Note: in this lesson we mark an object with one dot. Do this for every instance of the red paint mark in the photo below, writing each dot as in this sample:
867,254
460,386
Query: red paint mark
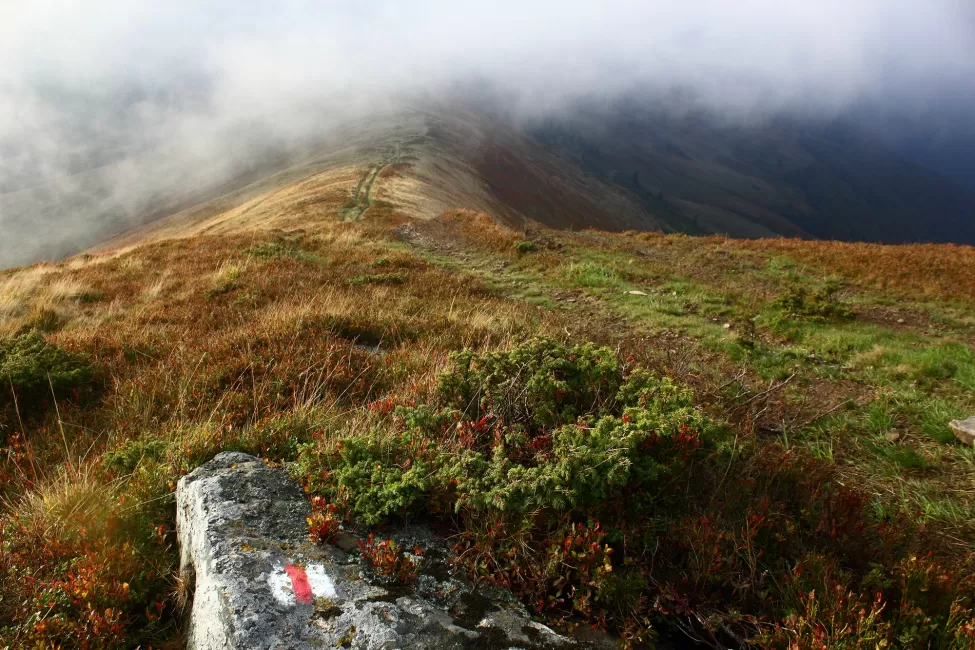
300,584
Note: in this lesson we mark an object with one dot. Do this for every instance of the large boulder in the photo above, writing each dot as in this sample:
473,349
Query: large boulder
261,585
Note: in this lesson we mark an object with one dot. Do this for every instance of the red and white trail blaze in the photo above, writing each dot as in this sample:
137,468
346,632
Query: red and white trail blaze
295,584
300,585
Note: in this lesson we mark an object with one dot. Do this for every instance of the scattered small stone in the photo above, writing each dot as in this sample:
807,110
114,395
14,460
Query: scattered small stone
345,542
964,430
892,436
900,321
727,326
636,293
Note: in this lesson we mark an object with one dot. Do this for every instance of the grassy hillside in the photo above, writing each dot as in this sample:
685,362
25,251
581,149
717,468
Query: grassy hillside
435,157
733,441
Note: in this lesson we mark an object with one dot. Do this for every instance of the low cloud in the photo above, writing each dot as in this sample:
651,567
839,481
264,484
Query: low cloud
107,105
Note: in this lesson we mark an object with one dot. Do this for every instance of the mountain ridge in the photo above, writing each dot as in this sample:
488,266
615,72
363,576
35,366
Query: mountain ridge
610,169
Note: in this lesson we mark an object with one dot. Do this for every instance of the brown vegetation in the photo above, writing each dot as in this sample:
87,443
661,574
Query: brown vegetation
942,271
266,336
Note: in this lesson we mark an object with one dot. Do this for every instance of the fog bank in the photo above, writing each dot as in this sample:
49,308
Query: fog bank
108,105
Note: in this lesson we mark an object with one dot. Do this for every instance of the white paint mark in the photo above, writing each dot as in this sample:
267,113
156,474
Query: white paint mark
280,584
321,583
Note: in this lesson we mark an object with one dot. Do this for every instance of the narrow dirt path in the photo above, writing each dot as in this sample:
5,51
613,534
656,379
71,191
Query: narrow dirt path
365,201
362,196
358,187
355,208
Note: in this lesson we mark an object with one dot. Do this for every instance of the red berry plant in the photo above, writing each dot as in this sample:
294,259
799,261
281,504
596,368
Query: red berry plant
389,560
324,523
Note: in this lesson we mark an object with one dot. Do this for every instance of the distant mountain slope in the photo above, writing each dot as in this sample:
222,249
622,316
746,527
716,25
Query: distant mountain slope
621,170
827,181
419,164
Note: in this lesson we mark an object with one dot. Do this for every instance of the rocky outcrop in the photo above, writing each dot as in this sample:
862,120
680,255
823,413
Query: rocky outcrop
261,585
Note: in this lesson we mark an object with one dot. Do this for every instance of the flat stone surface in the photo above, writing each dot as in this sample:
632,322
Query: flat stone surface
261,585
964,430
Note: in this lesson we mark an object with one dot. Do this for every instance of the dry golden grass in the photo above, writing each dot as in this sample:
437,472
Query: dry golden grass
919,272
73,504
40,296
942,271
479,230
205,341
173,317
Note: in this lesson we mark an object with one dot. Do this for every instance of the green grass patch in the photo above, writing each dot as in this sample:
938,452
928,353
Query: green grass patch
525,247
592,275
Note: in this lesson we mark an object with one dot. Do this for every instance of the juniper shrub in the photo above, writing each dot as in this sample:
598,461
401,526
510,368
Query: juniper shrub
597,490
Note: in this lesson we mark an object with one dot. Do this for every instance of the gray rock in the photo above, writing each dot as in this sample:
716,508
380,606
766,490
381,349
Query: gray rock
261,585
964,430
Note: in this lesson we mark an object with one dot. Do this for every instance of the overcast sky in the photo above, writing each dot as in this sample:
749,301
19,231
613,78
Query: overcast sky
120,75
741,52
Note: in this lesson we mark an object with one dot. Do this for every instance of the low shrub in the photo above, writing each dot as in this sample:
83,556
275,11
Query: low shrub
126,457
32,371
526,447
918,604
538,384
597,490
818,306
